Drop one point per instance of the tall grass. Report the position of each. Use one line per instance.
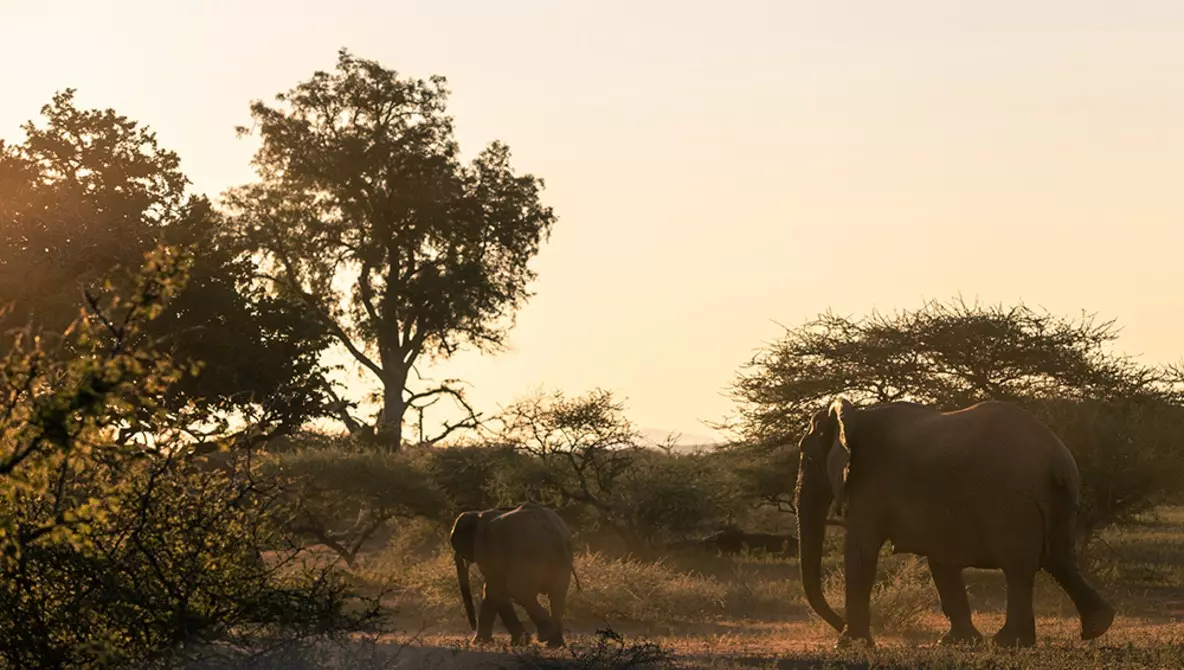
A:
(650, 592)
(903, 593)
(614, 589)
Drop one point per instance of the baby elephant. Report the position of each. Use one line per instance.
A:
(522, 551)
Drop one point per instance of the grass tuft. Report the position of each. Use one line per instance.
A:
(901, 598)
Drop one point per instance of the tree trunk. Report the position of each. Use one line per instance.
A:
(389, 428)
(390, 421)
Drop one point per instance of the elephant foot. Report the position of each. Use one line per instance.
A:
(846, 640)
(551, 635)
(552, 638)
(520, 639)
(961, 636)
(1097, 622)
(1006, 637)
(556, 641)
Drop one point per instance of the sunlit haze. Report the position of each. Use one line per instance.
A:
(717, 168)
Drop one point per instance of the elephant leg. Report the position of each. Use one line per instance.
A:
(859, 565)
(1096, 614)
(518, 634)
(558, 597)
(485, 617)
(1020, 627)
(952, 591)
(538, 615)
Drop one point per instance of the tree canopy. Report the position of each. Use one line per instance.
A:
(364, 212)
(945, 354)
(83, 199)
(86, 192)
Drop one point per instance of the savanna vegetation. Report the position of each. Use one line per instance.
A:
(187, 483)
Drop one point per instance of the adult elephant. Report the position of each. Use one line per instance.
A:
(522, 551)
(988, 486)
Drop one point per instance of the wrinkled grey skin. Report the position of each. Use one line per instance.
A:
(988, 486)
(522, 552)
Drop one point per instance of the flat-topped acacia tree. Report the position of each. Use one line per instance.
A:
(364, 211)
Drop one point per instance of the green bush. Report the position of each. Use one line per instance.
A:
(481, 477)
(119, 545)
(348, 492)
(663, 497)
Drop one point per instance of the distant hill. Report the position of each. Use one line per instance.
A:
(684, 442)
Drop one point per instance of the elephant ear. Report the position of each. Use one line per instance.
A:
(838, 461)
(464, 535)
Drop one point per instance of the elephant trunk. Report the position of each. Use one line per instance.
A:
(812, 504)
(466, 593)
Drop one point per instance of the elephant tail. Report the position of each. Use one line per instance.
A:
(1060, 525)
(569, 555)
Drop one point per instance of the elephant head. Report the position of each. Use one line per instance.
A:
(464, 544)
(823, 470)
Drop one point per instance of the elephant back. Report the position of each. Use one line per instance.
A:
(529, 535)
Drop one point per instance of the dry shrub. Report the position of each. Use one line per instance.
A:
(424, 586)
(755, 595)
(903, 593)
(643, 591)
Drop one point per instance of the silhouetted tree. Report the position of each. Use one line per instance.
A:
(82, 199)
(1119, 418)
(365, 212)
(86, 192)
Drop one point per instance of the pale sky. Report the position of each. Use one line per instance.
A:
(717, 167)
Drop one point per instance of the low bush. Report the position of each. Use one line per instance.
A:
(643, 591)
(119, 545)
(349, 492)
(424, 586)
(756, 594)
(902, 596)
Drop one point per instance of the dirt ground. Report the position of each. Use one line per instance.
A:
(753, 616)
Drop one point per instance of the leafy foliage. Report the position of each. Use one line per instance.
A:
(85, 193)
(923, 356)
(83, 199)
(119, 545)
(481, 477)
(360, 178)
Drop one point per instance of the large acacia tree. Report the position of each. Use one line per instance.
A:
(364, 211)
